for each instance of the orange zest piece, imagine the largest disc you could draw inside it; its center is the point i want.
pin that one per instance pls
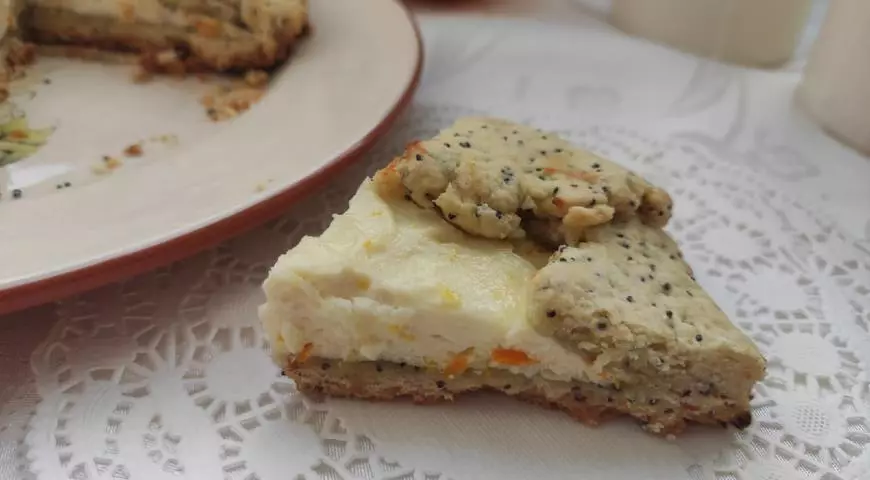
(558, 202)
(304, 353)
(18, 134)
(459, 364)
(510, 356)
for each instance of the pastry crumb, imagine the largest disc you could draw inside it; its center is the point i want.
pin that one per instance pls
(134, 150)
(111, 162)
(168, 139)
(107, 165)
(226, 102)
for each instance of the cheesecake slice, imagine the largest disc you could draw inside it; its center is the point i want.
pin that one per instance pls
(393, 300)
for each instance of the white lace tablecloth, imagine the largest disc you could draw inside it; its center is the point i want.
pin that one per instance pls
(165, 375)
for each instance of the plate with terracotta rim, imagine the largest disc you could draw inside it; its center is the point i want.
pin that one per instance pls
(102, 177)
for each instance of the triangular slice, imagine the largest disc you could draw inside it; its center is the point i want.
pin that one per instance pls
(392, 300)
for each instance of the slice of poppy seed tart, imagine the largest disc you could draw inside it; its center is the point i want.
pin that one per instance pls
(174, 36)
(499, 179)
(393, 300)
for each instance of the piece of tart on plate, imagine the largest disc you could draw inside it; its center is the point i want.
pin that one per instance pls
(168, 35)
(443, 277)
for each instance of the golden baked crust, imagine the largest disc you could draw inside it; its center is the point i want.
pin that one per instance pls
(586, 402)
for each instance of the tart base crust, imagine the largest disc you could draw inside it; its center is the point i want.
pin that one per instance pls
(586, 402)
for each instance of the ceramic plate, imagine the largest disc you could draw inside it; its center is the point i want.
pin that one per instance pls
(77, 211)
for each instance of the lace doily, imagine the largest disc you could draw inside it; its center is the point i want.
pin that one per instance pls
(165, 375)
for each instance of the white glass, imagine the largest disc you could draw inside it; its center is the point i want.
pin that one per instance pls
(835, 90)
(758, 33)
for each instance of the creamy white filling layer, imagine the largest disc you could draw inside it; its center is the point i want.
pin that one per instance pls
(391, 281)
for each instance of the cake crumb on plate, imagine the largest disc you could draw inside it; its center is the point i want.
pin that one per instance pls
(134, 150)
